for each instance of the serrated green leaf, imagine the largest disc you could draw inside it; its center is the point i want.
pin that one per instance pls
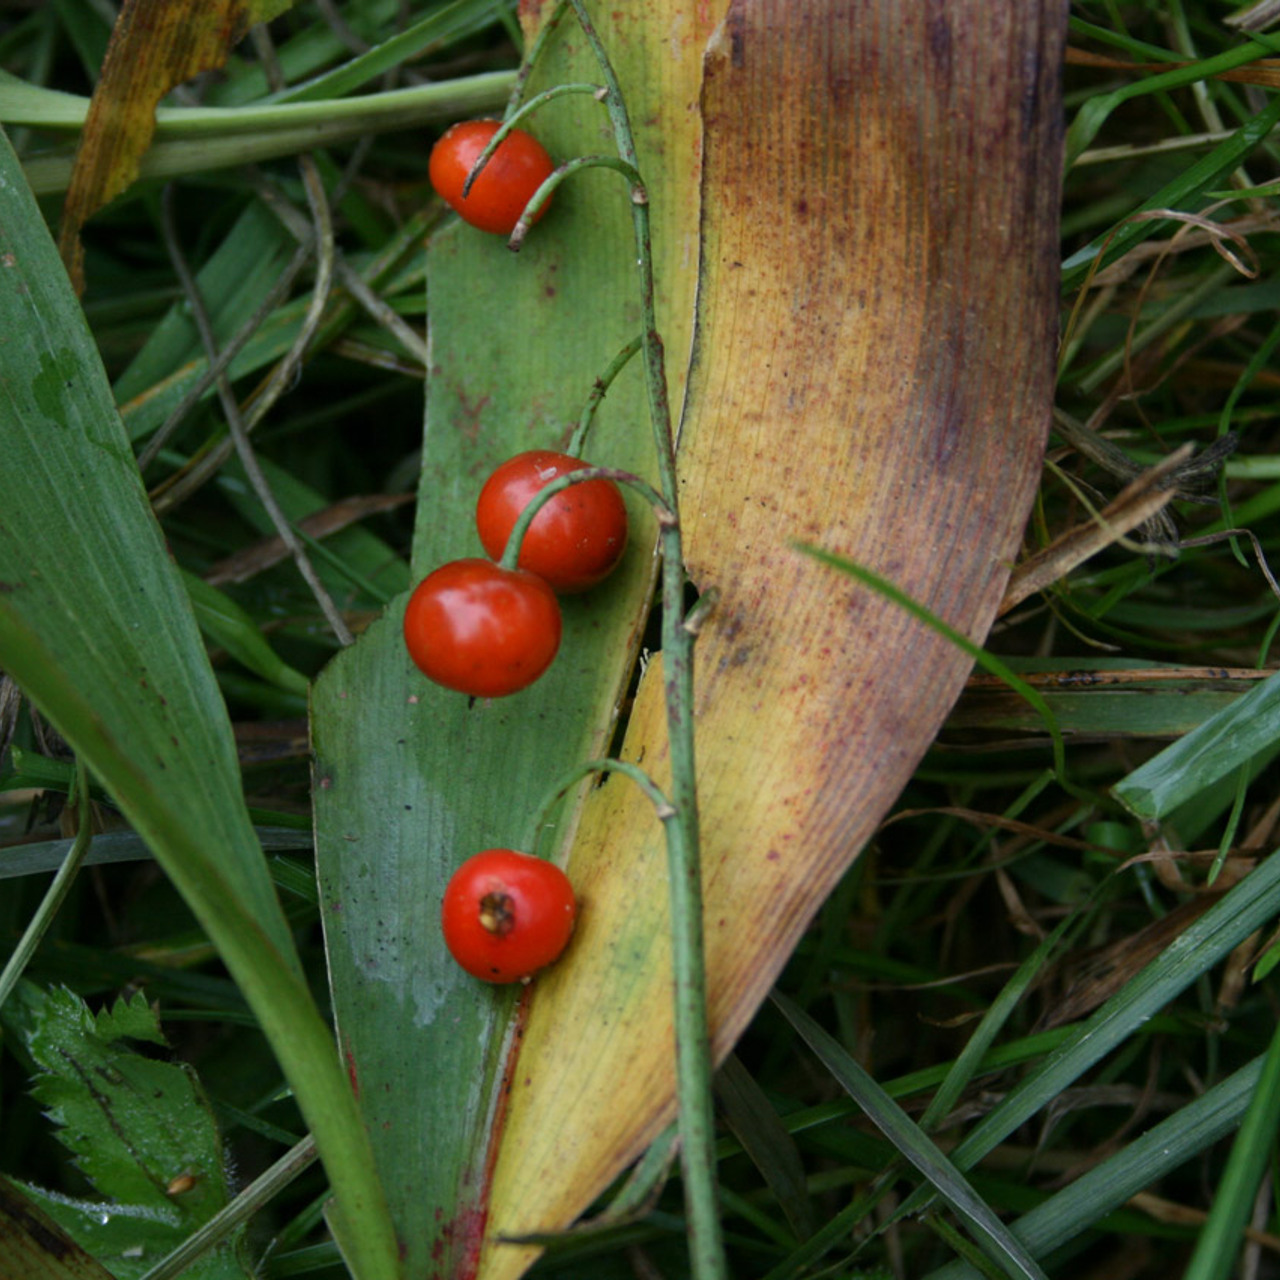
(137, 1126)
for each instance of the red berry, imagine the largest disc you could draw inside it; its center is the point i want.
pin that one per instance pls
(507, 914)
(504, 186)
(575, 540)
(481, 629)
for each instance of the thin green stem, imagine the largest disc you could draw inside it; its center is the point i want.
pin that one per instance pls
(58, 890)
(598, 392)
(693, 1039)
(560, 91)
(606, 764)
(295, 1161)
(530, 60)
(515, 540)
(257, 405)
(566, 170)
(236, 422)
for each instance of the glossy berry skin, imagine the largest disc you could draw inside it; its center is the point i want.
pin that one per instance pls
(507, 914)
(481, 629)
(504, 186)
(575, 541)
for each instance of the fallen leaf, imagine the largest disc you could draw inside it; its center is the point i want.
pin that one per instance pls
(154, 46)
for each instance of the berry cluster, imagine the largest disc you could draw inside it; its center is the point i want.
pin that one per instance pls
(487, 628)
(482, 629)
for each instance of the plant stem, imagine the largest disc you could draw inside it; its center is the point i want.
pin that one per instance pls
(693, 1041)
(515, 539)
(297, 1160)
(512, 120)
(62, 881)
(598, 392)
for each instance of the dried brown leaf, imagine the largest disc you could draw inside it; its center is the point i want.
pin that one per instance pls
(155, 45)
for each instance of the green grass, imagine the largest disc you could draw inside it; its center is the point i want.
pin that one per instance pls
(1019, 1010)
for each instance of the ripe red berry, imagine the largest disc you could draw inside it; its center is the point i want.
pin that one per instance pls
(503, 187)
(506, 915)
(575, 540)
(481, 629)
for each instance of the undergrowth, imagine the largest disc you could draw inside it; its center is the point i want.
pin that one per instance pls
(1000, 899)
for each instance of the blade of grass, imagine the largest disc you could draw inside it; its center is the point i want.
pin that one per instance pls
(990, 1233)
(1224, 742)
(1150, 1157)
(987, 661)
(1248, 906)
(1196, 179)
(1219, 1242)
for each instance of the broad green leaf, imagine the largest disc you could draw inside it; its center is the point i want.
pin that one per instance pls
(411, 778)
(1223, 742)
(96, 629)
(140, 1129)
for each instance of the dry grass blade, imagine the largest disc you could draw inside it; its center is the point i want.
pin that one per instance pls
(251, 560)
(1137, 503)
(155, 45)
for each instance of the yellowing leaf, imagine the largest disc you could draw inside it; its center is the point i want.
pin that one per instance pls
(871, 373)
(156, 44)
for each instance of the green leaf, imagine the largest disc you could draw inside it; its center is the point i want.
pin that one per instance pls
(1143, 1162)
(1233, 1201)
(412, 778)
(227, 624)
(1194, 182)
(1198, 759)
(136, 1125)
(96, 629)
(755, 1124)
(1248, 906)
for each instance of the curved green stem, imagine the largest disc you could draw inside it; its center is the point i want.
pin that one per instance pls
(606, 764)
(560, 91)
(570, 167)
(545, 32)
(598, 392)
(515, 539)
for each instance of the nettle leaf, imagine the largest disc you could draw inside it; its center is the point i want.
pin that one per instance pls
(140, 1128)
